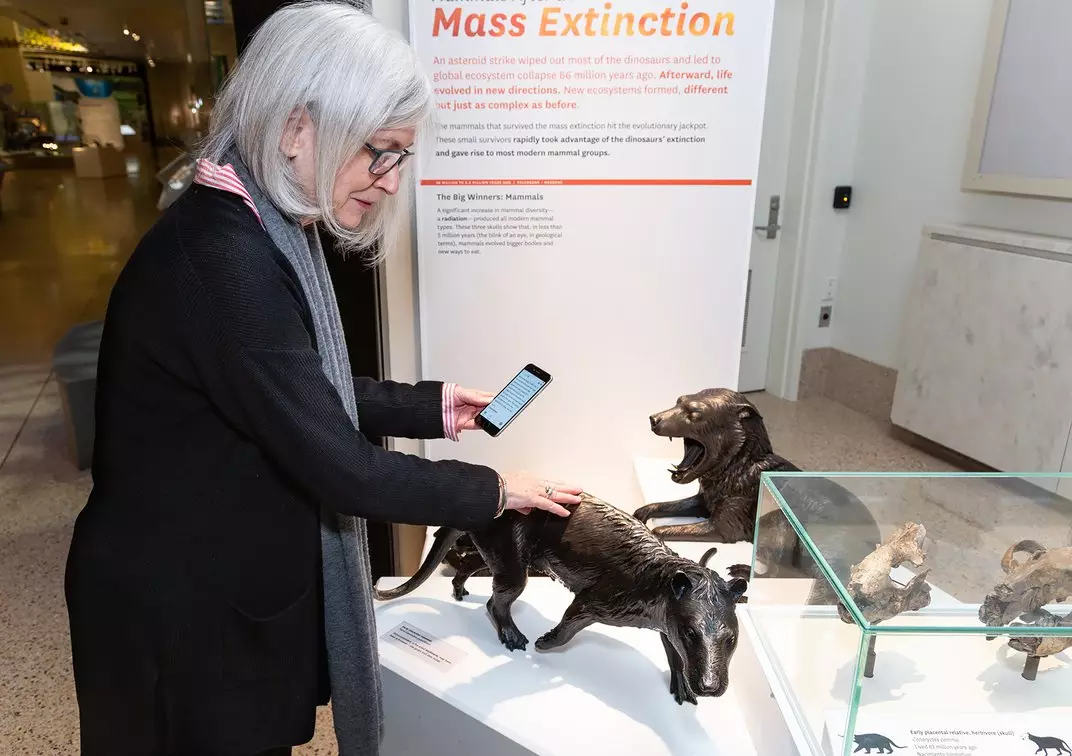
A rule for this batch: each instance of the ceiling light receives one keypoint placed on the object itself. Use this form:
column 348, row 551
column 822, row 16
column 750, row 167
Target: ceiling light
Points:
column 126, row 31
column 135, row 37
column 89, row 69
column 67, row 68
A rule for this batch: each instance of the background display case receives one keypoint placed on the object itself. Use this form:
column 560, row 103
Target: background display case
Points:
column 935, row 680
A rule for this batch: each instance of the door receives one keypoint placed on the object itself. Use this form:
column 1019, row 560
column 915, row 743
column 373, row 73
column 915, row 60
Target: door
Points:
column 770, row 182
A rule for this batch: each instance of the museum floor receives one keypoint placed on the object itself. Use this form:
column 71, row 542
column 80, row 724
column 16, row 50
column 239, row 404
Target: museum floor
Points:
column 63, row 241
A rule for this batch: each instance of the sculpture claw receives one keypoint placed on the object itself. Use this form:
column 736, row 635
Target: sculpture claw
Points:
column 680, row 690
column 740, row 571
column 546, row 643
column 513, row 639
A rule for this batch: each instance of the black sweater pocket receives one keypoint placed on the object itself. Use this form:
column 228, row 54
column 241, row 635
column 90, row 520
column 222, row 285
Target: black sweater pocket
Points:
column 262, row 648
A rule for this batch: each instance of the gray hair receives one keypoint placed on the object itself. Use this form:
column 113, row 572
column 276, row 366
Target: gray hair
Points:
column 353, row 76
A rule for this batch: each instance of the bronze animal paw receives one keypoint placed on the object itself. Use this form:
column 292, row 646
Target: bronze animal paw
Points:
column 680, row 689
column 740, row 571
column 547, row 641
column 513, row 639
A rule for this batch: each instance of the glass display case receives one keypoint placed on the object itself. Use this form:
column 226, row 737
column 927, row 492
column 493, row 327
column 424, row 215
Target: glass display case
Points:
column 917, row 614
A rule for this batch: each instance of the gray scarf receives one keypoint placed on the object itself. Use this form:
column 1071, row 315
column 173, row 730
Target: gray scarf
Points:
column 349, row 621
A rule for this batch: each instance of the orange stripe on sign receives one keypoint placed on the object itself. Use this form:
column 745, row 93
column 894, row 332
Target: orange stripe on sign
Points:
column 586, row 182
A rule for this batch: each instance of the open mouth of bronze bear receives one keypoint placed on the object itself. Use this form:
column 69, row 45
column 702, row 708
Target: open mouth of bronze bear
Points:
column 695, row 452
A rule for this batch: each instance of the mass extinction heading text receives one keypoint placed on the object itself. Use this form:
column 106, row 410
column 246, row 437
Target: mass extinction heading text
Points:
column 558, row 22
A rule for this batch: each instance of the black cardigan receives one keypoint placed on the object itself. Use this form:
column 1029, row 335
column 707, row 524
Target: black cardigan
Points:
column 197, row 557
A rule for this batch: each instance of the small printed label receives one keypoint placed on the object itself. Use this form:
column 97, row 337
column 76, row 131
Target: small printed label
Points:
column 930, row 735
column 430, row 649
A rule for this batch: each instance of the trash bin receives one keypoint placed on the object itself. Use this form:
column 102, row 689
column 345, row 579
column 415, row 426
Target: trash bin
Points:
column 74, row 363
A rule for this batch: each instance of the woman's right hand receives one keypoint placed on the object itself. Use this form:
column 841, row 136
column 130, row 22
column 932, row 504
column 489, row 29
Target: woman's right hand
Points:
column 525, row 493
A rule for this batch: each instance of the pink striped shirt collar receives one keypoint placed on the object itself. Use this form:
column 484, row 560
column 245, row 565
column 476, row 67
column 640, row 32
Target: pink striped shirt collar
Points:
column 224, row 178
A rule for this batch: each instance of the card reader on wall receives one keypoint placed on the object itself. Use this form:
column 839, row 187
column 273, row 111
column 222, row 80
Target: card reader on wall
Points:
column 842, row 197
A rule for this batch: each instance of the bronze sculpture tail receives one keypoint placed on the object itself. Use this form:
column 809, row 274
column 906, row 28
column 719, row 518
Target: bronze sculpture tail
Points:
column 444, row 539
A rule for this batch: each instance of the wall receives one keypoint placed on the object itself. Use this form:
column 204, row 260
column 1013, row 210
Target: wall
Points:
column 843, row 87
column 38, row 86
column 221, row 41
column 173, row 83
column 830, row 84
column 922, row 75
column 169, row 95
column 12, row 66
column 28, row 87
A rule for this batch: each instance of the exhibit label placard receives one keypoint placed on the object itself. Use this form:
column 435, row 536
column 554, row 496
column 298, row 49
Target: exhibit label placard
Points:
column 923, row 734
column 426, row 647
column 586, row 205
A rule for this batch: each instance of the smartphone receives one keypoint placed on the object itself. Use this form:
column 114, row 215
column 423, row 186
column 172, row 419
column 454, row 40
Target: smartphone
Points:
column 509, row 402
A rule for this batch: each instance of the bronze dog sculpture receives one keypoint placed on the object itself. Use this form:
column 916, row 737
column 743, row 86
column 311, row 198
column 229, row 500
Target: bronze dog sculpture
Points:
column 620, row 574
column 727, row 449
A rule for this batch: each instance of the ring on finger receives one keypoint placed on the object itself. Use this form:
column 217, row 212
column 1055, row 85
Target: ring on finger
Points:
column 549, row 490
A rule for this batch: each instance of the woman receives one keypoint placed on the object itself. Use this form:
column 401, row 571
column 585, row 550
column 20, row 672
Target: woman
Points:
column 215, row 593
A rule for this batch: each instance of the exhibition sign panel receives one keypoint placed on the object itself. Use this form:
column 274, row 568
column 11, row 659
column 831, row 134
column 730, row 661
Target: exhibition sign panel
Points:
column 100, row 121
column 586, row 205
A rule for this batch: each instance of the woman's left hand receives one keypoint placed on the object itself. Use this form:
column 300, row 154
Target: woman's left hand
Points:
column 467, row 405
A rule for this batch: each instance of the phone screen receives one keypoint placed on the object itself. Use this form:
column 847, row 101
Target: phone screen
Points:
column 512, row 399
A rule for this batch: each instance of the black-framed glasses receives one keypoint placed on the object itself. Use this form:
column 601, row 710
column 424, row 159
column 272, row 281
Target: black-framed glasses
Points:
column 384, row 160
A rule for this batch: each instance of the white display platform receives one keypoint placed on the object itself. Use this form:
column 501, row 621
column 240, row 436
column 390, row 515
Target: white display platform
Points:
column 606, row 692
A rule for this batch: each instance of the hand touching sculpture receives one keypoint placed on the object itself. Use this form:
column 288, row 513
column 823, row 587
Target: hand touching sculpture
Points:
column 525, row 493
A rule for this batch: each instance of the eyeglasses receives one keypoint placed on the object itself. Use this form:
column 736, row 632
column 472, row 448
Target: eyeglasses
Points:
column 384, row 160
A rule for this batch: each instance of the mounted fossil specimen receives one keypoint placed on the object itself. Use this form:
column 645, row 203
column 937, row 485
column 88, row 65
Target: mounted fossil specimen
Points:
column 1045, row 577
column 876, row 594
